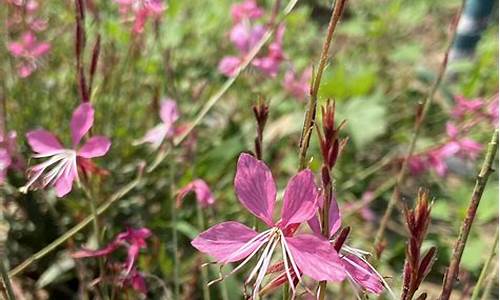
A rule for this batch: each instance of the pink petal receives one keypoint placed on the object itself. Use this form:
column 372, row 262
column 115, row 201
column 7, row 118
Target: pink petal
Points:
column 169, row 113
column 81, row 122
column 451, row 130
column 137, row 282
column 245, row 37
column 362, row 274
column 40, row 49
column 16, row 49
column 300, row 200
column 64, row 183
column 26, row 69
column 316, row 258
column 255, row 187
column 334, row 221
column 248, row 9
column 223, row 241
column 155, row 136
column 43, row 141
column 202, row 191
column 96, row 146
column 228, row 65
column 83, row 253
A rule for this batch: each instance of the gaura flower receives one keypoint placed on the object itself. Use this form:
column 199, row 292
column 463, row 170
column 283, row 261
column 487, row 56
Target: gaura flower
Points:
column 142, row 10
column 464, row 106
column 232, row 241
column 248, row 9
column 28, row 50
column 270, row 63
column 133, row 240
column 464, row 147
column 200, row 188
column 245, row 37
column 297, row 86
column 169, row 115
column 62, row 163
column 360, row 273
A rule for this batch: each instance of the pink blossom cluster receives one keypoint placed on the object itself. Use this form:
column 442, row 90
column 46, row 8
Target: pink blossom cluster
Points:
column 133, row 240
column 302, row 254
column 465, row 112
column 27, row 49
column 140, row 11
column 245, row 35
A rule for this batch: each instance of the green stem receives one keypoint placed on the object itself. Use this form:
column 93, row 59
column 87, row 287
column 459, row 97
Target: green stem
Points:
column 490, row 282
column 204, row 273
column 484, row 271
column 6, row 280
column 458, row 249
column 420, row 118
column 311, row 108
column 175, row 245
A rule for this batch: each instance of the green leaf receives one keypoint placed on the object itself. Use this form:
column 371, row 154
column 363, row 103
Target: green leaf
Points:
column 366, row 119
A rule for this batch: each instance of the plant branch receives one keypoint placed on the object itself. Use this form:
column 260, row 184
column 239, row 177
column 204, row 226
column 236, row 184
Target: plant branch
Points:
column 484, row 271
column 482, row 179
column 420, row 118
column 310, row 116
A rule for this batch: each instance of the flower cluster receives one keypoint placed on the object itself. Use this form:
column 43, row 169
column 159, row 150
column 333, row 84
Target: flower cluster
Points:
column 27, row 49
column 466, row 113
column 140, row 11
column 61, row 166
column 245, row 35
column 298, row 86
column 302, row 254
column 133, row 240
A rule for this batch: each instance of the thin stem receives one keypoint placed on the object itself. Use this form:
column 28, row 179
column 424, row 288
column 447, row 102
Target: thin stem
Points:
column 6, row 280
column 420, row 118
column 489, row 283
column 204, row 273
column 313, row 99
column 484, row 271
column 175, row 245
column 482, row 179
column 70, row 233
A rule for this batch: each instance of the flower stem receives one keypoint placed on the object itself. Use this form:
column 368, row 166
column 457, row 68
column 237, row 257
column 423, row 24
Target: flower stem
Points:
column 175, row 245
column 484, row 271
column 420, row 118
column 489, row 283
column 313, row 99
column 204, row 273
column 482, row 179
column 4, row 229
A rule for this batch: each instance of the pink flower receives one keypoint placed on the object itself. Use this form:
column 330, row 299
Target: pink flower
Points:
column 298, row 87
column 232, row 241
column 465, row 147
column 142, row 10
column 244, row 36
column 133, row 240
column 269, row 64
column 229, row 65
column 464, row 106
column 9, row 156
column 200, row 188
column 168, row 114
column 62, row 163
column 248, row 9
column 28, row 50
column 356, row 267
